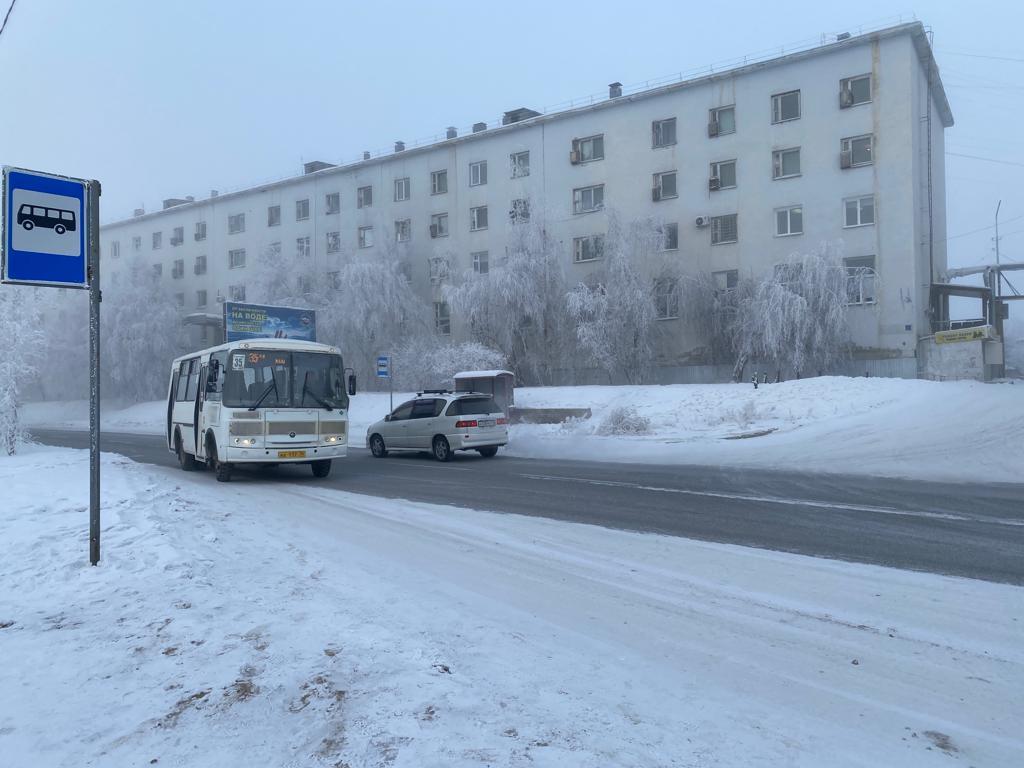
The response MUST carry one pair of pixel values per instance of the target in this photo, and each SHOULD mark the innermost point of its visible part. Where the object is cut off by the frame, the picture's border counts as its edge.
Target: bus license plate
(291, 454)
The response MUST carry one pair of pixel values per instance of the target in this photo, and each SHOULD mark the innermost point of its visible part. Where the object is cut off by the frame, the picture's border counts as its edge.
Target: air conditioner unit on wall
(845, 98)
(713, 128)
(845, 159)
(714, 183)
(574, 157)
(433, 230)
(702, 221)
(655, 194)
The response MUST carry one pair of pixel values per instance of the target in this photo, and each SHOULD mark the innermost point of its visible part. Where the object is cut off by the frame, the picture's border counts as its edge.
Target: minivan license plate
(486, 422)
(291, 454)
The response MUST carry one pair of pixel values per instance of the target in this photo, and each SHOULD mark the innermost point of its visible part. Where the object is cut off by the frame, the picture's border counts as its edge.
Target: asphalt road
(972, 530)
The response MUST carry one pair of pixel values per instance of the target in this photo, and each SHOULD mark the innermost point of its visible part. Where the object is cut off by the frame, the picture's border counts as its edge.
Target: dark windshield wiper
(259, 401)
(306, 390)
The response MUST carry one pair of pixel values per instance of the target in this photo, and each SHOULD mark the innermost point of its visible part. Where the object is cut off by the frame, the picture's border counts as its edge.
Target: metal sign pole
(94, 371)
(391, 384)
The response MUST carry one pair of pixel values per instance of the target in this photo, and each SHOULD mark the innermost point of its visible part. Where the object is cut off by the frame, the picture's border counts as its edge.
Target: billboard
(256, 321)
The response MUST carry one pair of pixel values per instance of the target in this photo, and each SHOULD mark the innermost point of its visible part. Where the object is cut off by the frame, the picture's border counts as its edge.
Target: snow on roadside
(953, 431)
(279, 622)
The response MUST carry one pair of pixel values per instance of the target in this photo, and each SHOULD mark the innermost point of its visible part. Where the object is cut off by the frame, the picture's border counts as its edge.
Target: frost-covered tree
(429, 362)
(366, 307)
(64, 367)
(796, 317)
(20, 329)
(518, 306)
(711, 309)
(614, 312)
(140, 333)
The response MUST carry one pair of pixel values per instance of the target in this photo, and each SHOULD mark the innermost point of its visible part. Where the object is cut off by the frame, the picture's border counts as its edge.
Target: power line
(9, 9)
(986, 159)
(980, 229)
(981, 56)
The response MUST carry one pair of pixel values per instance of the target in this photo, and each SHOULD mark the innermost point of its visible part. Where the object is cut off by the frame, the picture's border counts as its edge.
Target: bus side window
(182, 380)
(193, 382)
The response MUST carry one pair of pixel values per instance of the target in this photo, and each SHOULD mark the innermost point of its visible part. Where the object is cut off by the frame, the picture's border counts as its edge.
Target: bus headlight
(245, 442)
(332, 439)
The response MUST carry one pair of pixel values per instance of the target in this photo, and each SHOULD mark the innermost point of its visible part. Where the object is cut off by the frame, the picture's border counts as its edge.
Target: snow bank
(959, 431)
(277, 622)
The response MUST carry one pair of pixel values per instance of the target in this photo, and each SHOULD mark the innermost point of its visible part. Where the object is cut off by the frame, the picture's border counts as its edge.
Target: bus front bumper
(278, 455)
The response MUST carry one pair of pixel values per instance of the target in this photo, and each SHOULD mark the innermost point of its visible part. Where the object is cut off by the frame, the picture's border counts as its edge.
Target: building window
(332, 203)
(403, 230)
(860, 279)
(364, 197)
(723, 175)
(480, 262)
(178, 269)
(204, 332)
(724, 229)
(115, 250)
(302, 209)
(302, 247)
(137, 243)
(588, 248)
(587, 199)
(726, 280)
(273, 215)
(442, 318)
(236, 258)
(664, 186)
(786, 163)
(478, 173)
(179, 299)
(785, 106)
(366, 237)
(158, 240)
(722, 120)
(305, 285)
(439, 225)
(236, 223)
(334, 280)
(478, 218)
(237, 292)
(158, 270)
(520, 211)
(854, 151)
(201, 297)
(671, 233)
(177, 236)
(439, 269)
(789, 221)
(438, 182)
(859, 211)
(200, 231)
(199, 268)
(520, 162)
(663, 133)
(588, 149)
(274, 251)
(666, 298)
(854, 91)
(401, 189)
(333, 242)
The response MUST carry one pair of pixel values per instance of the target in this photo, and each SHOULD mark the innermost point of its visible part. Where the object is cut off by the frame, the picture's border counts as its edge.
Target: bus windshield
(273, 379)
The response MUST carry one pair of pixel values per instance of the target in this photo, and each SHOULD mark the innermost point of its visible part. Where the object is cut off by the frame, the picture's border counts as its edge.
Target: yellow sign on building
(978, 333)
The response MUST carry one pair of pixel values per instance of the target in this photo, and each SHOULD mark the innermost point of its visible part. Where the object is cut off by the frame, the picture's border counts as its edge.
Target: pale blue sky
(165, 99)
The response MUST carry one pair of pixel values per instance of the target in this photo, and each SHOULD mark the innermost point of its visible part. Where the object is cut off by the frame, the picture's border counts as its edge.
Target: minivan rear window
(469, 405)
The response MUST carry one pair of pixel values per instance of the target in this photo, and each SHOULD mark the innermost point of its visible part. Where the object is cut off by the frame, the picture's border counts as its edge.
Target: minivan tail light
(499, 422)
(465, 424)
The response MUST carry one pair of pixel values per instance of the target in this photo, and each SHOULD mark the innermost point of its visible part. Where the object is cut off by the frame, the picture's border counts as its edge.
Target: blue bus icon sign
(44, 223)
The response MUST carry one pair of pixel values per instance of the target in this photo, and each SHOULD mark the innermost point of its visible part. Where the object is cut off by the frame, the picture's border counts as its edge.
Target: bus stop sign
(384, 367)
(45, 222)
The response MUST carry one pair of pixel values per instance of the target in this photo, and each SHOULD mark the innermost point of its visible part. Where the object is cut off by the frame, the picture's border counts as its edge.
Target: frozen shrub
(624, 420)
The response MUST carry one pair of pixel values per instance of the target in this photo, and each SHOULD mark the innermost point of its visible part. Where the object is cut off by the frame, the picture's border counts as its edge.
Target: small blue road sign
(44, 223)
(384, 367)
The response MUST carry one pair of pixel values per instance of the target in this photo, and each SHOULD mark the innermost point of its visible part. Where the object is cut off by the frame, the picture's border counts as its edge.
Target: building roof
(915, 29)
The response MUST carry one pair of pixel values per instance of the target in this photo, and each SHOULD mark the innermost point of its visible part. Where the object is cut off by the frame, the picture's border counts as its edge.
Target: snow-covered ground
(957, 431)
(276, 623)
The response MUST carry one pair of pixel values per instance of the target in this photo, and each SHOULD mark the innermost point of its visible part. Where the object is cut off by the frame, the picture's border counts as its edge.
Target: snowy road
(294, 625)
(972, 530)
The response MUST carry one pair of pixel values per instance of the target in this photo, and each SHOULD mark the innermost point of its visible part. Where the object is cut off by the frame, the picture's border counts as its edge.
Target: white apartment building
(839, 143)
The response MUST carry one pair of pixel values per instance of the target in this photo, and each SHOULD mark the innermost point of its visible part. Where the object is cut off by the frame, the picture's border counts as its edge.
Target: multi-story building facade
(840, 143)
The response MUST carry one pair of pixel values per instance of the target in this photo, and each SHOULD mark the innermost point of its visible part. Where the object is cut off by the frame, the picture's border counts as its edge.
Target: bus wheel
(27, 224)
(222, 470)
(185, 460)
(321, 468)
(60, 229)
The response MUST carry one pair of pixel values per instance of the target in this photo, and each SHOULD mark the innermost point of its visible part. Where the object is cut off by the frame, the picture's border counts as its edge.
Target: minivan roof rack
(434, 392)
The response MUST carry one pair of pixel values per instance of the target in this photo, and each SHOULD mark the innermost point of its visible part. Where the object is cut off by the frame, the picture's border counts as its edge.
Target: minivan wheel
(321, 467)
(488, 452)
(377, 447)
(442, 450)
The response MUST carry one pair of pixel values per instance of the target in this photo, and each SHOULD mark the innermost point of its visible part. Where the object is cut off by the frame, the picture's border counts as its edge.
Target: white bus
(259, 401)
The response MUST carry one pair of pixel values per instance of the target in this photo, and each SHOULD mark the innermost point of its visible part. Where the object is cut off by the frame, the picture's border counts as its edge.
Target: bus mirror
(351, 384)
(212, 375)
